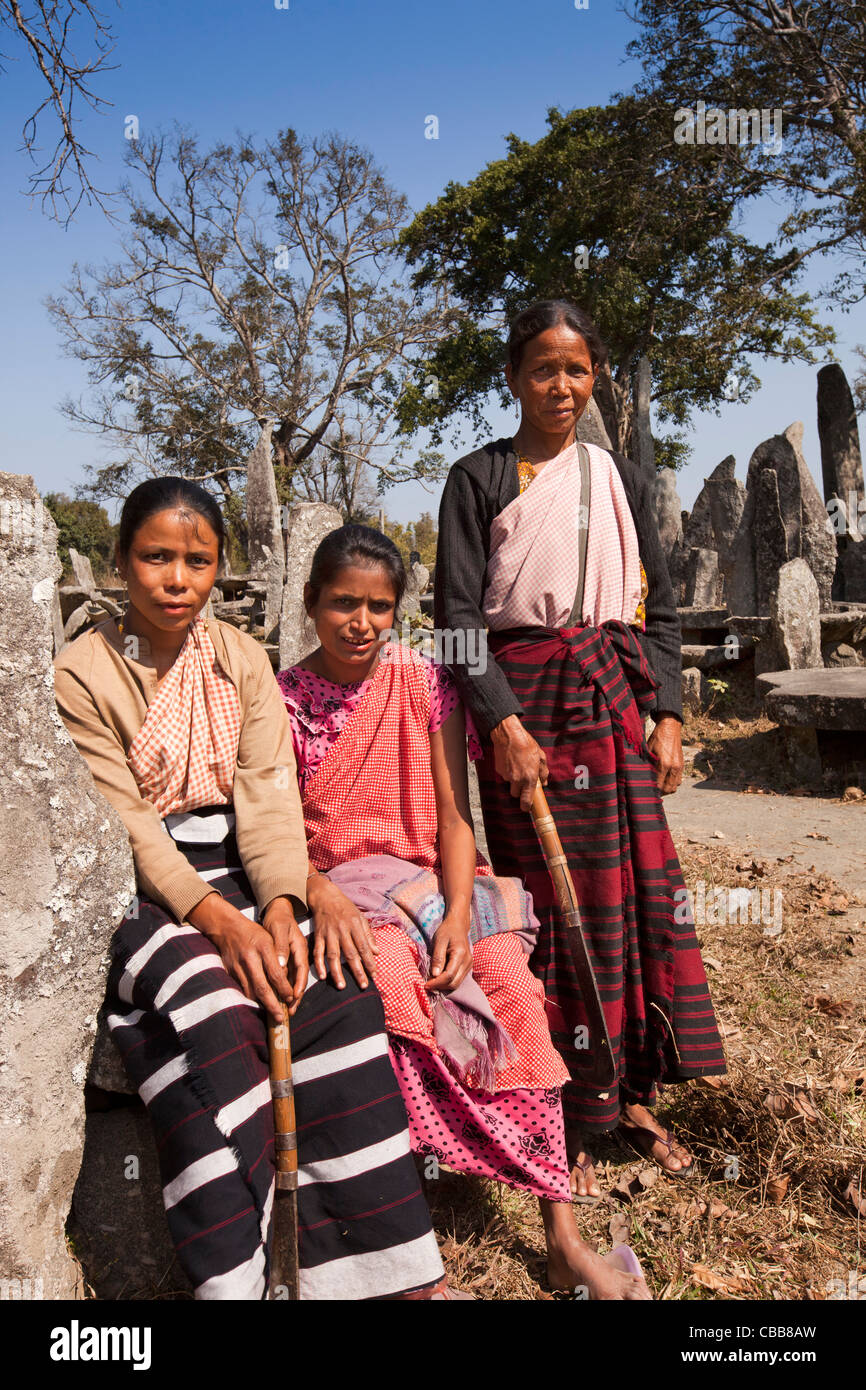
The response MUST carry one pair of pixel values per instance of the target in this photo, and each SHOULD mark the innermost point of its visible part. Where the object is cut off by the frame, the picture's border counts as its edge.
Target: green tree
(420, 535)
(608, 210)
(84, 526)
(805, 58)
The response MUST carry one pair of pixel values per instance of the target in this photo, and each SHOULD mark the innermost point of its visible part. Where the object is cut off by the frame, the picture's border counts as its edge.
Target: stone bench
(822, 713)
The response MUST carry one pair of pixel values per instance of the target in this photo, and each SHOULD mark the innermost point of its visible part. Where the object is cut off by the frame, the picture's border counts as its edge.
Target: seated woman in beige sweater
(185, 733)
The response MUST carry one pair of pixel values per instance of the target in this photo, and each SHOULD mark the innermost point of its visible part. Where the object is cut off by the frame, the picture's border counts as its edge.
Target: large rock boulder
(308, 524)
(66, 878)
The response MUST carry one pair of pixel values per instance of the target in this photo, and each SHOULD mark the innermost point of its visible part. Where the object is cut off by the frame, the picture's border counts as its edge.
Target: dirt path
(778, 826)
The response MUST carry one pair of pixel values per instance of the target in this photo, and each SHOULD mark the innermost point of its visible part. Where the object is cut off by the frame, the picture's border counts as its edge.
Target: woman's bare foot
(671, 1158)
(571, 1264)
(582, 1178)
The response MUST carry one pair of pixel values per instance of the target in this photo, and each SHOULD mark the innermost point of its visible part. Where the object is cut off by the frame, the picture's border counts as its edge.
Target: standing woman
(583, 641)
(182, 725)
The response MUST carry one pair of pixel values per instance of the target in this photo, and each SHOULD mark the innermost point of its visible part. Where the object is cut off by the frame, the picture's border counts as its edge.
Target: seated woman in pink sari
(400, 894)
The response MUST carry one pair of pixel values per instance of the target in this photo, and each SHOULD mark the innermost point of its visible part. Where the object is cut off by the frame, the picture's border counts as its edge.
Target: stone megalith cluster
(772, 572)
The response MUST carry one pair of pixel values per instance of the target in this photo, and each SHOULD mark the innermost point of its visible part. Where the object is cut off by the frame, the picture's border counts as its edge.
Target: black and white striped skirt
(196, 1049)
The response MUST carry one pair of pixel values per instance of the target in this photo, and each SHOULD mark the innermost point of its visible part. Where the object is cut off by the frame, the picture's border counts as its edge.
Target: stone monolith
(66, 878)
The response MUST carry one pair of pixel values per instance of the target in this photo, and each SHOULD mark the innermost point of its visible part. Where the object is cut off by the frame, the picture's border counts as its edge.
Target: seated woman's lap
(500, 966)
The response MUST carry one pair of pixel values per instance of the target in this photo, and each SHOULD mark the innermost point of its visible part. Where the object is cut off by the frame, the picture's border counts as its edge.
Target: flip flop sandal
(623, 1258)
(642, 1138)
(585, 1199)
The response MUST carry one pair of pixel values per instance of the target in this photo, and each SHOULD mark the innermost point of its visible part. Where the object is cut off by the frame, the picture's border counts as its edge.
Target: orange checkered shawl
(373, 791)
(185, 753)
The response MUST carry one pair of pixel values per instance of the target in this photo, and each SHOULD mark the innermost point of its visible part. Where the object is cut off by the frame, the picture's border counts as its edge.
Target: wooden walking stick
(597, 1060)
(284, 1252)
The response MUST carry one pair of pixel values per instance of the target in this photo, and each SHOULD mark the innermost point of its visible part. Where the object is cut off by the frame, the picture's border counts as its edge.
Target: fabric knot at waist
(609, 658)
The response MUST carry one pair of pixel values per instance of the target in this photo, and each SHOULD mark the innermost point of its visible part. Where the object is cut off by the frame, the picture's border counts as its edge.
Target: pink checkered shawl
(185, 753)
(532, 570)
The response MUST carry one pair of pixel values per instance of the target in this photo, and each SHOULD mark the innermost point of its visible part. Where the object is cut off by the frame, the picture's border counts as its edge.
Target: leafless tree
(256, 282)
(51, 31)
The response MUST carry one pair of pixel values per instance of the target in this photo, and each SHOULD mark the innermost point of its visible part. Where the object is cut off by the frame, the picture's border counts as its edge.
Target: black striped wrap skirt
(196, 1049)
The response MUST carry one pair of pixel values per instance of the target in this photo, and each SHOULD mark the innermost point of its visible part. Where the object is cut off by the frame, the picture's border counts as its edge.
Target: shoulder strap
(576, 614)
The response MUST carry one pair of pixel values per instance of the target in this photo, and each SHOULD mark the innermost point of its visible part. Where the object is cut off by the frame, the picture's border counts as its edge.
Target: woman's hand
(452, 955)
(518, 759)
(339, 928)
(665, 743)
(268, 960)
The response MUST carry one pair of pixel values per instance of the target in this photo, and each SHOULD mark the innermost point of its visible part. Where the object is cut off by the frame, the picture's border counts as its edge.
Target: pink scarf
(185, 753)
(531, 573)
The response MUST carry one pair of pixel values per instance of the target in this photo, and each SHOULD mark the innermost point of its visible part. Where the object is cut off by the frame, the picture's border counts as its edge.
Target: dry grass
(791, 1008)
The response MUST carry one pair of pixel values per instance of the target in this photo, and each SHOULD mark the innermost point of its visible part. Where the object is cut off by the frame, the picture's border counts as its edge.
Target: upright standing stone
(771, 540)
(841, 463)
(727, 499)
(668, 510)
(83, 571)
(795, 617)
(698, 530)
(817, 542)
(309, 523)
(265, 546)
(66, 878)
(803, 520)
(702, 579)
(590, 427)
(264, 528)
(643, 449)
(422, 576)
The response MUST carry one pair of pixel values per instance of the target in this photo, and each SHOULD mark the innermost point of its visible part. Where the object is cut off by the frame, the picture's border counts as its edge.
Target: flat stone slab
(703, 617)
(846, 626)
(709, 656)
(820, 698)
(749, 626)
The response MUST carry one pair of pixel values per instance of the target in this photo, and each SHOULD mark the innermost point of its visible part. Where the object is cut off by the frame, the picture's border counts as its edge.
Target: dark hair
(549, 313)
(165, 495)
(353, 543)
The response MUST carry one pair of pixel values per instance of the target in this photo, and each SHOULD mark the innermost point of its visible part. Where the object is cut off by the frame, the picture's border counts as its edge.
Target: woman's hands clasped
(339, 929)
(268, 959)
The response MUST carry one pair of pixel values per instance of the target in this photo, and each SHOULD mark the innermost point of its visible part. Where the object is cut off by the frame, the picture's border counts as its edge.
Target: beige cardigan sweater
(103, 695)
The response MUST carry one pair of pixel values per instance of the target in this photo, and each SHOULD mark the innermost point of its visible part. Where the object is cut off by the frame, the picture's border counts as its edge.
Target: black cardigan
(480, 486)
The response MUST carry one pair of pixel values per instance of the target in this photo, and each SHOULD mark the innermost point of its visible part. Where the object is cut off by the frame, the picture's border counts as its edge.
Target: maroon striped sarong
(583, 691)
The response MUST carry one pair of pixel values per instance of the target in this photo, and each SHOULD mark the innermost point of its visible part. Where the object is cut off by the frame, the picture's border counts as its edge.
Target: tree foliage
(257, 281)
(806, 58)
(608, 210)
(83, 525)
(420, 536)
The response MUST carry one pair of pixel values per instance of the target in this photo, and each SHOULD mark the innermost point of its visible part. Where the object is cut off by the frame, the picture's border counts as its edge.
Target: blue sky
(371, 69)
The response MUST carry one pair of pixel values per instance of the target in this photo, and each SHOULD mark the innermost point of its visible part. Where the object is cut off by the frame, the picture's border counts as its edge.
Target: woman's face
(171, 568)
(554, 380)
(353, 615)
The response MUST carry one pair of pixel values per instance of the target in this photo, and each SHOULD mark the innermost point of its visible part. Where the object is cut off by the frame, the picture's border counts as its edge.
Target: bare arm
(452, 953)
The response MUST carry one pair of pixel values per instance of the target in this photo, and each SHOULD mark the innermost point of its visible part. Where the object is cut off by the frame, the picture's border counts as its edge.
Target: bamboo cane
(598, 1061)
(284, 1254)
